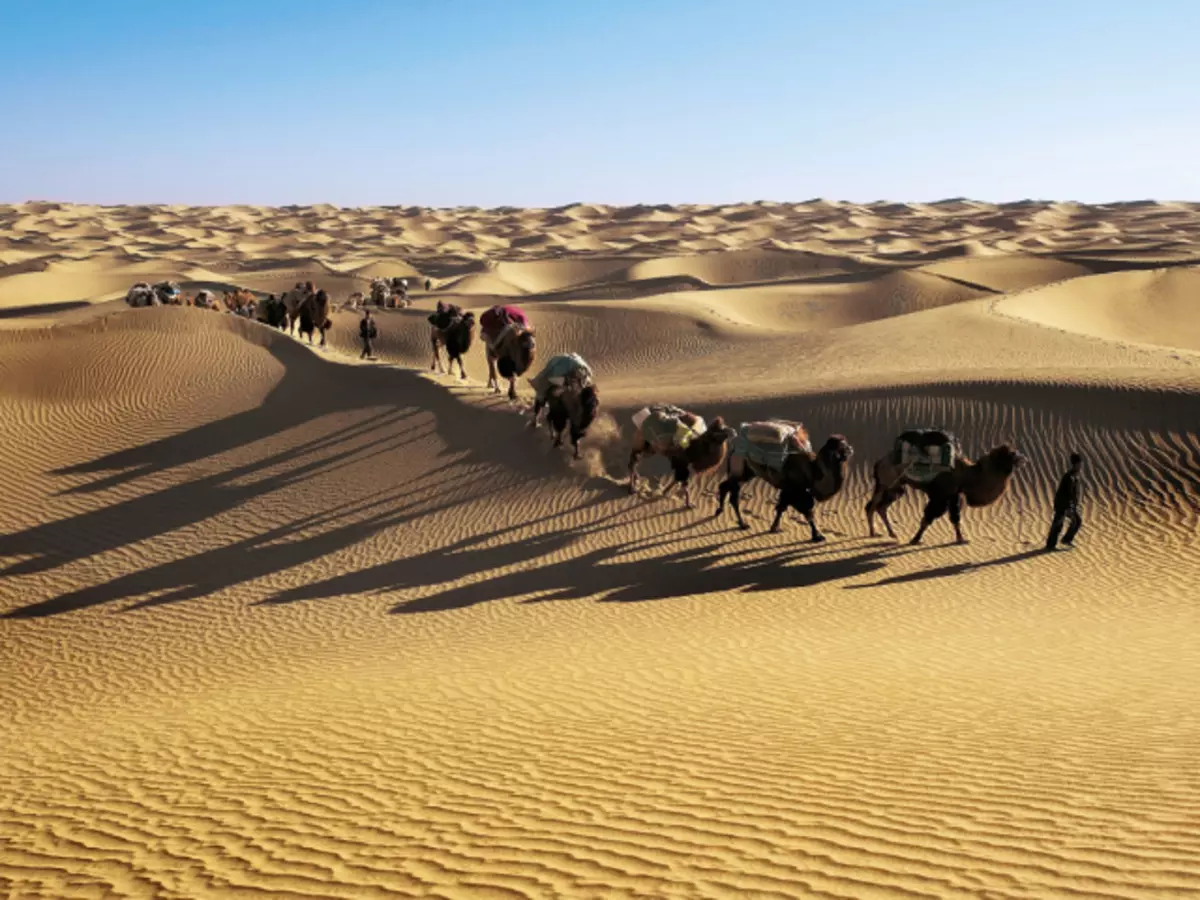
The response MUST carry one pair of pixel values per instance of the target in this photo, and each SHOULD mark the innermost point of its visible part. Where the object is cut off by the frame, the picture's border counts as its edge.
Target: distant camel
(682, 438)
(391, 293)
(510, 346)
(931, 461)
(453, 329)
(779, 452)
(205, 300)
(573, 406)
(161, 294)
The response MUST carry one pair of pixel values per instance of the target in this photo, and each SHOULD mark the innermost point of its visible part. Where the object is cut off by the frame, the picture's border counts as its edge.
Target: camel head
(1005, 459)
(837, 448)
(719, 430)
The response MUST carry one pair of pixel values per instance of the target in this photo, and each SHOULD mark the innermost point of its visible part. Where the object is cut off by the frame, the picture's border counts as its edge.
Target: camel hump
(665, 426)
(770, 443)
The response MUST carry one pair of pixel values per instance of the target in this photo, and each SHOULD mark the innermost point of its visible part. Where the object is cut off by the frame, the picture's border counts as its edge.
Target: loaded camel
(314, 313)
(564, 388)
(509, 345)
(779, 452)
(163, 293)
(453, 329)
(294, 299)
(931, 461)
(682, 437)
(393, 293)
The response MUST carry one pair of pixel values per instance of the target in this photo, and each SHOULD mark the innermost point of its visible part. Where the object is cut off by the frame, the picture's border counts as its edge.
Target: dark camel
(703, 453)
(980, 483)
(806, 478)
(571, 406)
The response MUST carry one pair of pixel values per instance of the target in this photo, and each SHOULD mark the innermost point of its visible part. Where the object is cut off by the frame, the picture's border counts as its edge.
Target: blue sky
(530, 103)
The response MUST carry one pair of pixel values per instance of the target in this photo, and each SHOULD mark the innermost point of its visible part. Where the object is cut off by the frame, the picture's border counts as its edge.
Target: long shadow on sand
(950, 570)
(375, 412)
(690, 571)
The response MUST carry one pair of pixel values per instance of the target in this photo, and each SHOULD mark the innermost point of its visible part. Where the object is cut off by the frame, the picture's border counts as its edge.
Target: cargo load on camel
(925, 453)
(769, 444)
(664, 427)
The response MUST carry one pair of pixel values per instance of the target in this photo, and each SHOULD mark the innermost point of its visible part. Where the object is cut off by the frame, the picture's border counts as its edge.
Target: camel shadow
(371, 413)
(950, 570)
(691, 571)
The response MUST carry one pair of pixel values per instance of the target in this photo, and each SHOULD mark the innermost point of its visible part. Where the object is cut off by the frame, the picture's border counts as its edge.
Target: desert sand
(280, 623)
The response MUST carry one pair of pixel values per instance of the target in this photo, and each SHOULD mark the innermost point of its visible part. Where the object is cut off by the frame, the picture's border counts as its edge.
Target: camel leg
(493, 378)
(512, 388)
(462, 369)
(880, 500)
(682, 478)
(733, 487)
(538, 406)
(437, 356)
(635, 456)
(955, 506)
(807, 508)
(933, 511)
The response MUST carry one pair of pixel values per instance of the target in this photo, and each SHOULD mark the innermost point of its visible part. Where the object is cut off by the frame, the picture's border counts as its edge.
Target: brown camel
(294, 300)
(571, 406)
(778, 451)
(313, 312)
(671, 432)
(456, 336)
(509, 344)
(931, 462)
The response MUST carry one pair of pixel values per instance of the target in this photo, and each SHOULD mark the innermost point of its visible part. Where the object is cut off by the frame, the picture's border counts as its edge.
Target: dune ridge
(278, 621)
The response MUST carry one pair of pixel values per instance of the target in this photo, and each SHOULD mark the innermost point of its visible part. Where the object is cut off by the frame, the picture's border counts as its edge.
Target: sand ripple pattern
(275, 623)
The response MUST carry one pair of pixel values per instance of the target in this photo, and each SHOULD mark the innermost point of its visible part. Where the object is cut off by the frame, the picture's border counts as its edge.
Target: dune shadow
(372, 413)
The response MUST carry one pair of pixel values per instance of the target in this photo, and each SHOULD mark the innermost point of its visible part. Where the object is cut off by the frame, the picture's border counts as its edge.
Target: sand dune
(279, 622)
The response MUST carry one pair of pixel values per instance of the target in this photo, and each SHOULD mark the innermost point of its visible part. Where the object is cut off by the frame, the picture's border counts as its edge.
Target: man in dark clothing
(1066, 505)
(366, 330)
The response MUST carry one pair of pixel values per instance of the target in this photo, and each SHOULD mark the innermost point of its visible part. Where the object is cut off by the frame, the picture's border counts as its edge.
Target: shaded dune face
(277, 621)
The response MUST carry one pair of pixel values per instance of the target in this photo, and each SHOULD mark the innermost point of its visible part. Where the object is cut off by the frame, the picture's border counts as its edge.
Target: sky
(530, 103)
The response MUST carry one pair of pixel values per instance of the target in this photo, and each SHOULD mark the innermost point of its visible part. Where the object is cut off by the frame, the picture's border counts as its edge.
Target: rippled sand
(280, 623)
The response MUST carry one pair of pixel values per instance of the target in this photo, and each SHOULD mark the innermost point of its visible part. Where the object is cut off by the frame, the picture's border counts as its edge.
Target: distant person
(368, 332)
(428, 285)
(1066, 506)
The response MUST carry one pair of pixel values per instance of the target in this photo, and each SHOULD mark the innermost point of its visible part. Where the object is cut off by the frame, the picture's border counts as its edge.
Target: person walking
(368, 332)
(1066, 506)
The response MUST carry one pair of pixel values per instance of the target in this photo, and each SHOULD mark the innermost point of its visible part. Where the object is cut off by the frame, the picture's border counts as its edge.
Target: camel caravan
(775, 451)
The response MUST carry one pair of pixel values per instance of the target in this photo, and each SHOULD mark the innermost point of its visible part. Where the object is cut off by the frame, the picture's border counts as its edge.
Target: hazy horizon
(471, 105)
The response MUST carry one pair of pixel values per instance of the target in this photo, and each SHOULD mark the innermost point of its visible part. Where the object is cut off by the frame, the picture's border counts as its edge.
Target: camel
(683, 439)
(241, 302)
(205, 300)
(932, 462)
(510, 346)
(312, 313)
(161, 294)
(168, 293)
(274, 313)
(453, 329)
(573, 406)
(355, 302)
(393, 293)
(779, 452)
(294, 299)
(141, 294)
